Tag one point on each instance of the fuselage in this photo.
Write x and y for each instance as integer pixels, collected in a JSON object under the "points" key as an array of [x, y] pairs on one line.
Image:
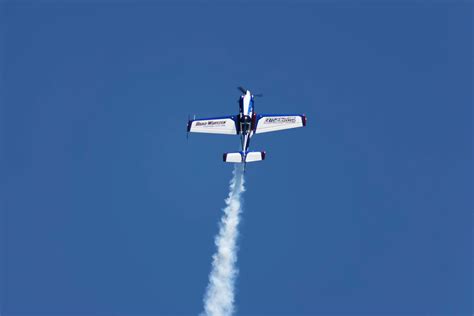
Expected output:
{"points": [[246, 119], [246, 124]]}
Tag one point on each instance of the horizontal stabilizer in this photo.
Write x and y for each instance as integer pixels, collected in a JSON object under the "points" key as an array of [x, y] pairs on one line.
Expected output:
{"points": [[233, 157], [255, 156], [240, 157]]}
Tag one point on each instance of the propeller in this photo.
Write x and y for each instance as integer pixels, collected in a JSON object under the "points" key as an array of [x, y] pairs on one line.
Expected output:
{"points": [[244, 91]]}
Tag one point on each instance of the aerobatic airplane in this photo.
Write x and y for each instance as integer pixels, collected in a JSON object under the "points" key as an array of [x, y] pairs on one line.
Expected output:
{"points": [[246, 123]]}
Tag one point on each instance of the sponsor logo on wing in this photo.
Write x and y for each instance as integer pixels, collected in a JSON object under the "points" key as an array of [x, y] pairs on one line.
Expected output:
{"points": [[211, 123], [280, 120]]}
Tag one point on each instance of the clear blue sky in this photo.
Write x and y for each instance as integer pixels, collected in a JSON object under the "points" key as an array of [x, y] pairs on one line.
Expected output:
{"points": [[107, 209]]}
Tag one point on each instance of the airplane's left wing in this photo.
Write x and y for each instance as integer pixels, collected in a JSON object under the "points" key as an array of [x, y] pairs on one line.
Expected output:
{"points": [[277, 122], [214, 125]]}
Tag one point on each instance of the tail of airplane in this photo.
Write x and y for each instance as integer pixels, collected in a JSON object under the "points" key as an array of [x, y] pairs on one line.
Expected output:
{"points": [[244, 157]]}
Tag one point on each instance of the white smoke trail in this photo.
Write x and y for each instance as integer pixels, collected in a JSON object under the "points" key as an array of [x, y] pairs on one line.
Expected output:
{"points": [[219, 298]]}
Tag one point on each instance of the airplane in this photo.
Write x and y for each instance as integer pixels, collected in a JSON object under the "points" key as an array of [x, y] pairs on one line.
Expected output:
{"points": [[246, 124]]}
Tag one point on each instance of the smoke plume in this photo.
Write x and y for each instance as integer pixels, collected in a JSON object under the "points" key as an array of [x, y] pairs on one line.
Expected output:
{"points": [[219, 297]]}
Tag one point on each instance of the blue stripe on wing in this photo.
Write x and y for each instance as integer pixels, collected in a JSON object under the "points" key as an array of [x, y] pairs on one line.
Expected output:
{"points": [[272, 115], [233, 117]]}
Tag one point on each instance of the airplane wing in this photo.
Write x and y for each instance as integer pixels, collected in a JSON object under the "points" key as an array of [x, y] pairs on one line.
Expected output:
{"points": [[276, 122], [214, 125]]}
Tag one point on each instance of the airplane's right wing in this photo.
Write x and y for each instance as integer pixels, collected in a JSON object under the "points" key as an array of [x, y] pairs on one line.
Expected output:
{"points": [[214, 125], [276, 122]]}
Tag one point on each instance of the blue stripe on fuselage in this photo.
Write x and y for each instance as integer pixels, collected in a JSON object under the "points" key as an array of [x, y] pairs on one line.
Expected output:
{"points": [[250, 109]]}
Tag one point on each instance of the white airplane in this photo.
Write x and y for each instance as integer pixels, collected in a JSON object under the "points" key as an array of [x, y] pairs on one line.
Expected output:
{"points": [[246, 123]]}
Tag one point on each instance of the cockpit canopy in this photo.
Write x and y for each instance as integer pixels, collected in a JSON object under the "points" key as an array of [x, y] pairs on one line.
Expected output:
{"points": [[245, 124]]}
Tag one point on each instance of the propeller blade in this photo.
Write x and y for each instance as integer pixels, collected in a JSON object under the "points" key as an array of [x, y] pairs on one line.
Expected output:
{"points": [[242, 89], [258, 95]]}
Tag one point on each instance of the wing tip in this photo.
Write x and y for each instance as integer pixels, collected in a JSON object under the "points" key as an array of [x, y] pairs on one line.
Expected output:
{"points": [[189, 125]]}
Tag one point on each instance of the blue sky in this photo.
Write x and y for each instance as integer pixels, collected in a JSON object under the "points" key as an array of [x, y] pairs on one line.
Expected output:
{"points": [[107, 209]]}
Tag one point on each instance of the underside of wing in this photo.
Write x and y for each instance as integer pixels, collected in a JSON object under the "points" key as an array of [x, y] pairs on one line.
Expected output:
{"points": [[214, 125], [277, 122]]}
